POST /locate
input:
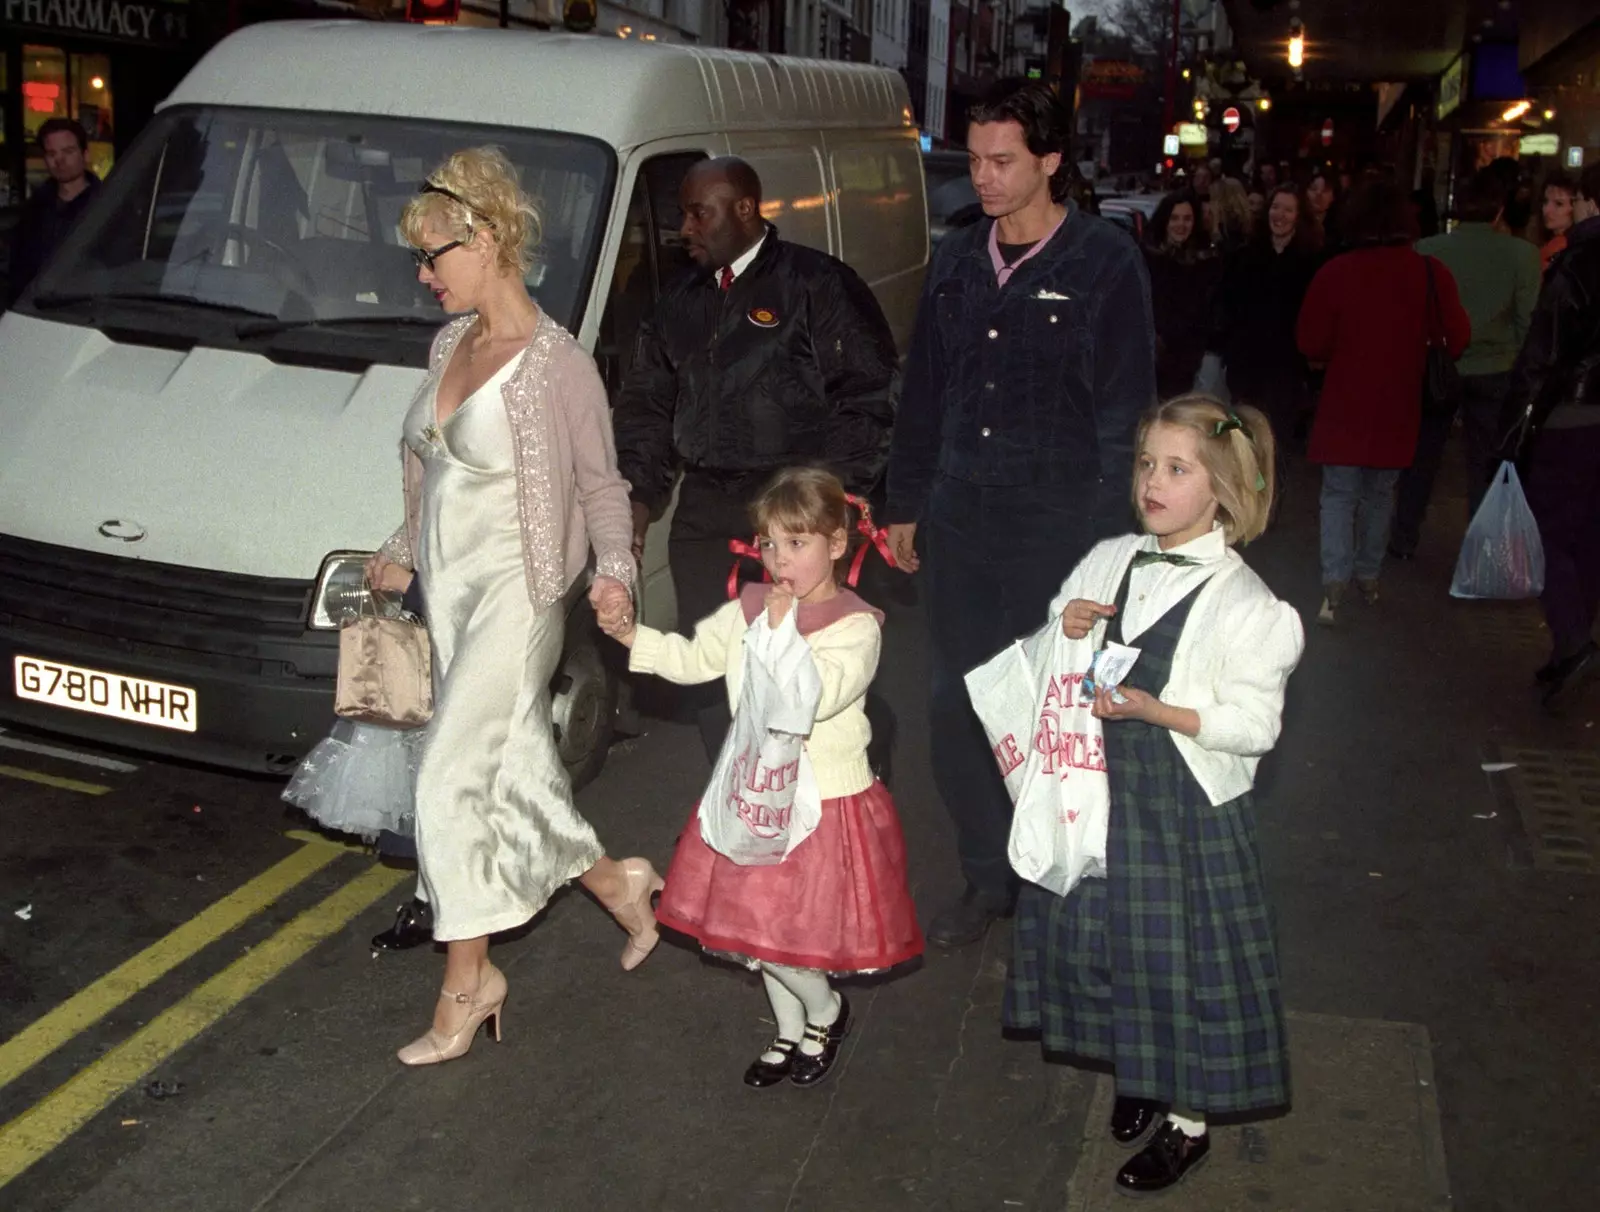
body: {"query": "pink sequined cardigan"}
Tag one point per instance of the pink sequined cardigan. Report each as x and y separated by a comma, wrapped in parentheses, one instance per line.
(569, 494)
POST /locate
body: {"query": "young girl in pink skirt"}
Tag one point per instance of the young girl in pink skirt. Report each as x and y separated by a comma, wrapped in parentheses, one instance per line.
(838, 903)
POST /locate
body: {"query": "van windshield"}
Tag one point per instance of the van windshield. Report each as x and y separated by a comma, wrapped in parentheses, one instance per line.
(277, 231)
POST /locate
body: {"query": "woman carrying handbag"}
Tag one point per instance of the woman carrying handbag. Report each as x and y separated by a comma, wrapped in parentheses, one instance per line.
(510, 480)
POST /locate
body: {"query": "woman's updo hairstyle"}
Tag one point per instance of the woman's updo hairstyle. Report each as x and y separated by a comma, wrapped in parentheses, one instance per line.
(476, 189)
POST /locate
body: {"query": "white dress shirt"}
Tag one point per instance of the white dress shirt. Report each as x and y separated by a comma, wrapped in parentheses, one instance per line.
(747, 258)
(1154, 589)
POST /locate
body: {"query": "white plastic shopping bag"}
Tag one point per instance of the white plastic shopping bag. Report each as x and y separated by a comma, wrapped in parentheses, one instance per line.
(762, 800)
(1051, 750)
(1502, 555)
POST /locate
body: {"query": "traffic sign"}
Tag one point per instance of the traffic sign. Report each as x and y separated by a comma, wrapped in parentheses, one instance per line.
(1170, 146)
(1230, 119)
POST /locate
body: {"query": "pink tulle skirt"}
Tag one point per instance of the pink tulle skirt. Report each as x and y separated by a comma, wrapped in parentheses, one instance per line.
(838, 903)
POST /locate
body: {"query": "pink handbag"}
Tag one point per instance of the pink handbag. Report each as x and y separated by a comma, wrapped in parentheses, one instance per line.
(385, 670)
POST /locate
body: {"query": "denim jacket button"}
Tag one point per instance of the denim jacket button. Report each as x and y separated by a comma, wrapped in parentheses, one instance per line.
(1052, 318)
(986, 431)
(989, 386)
(993, 333)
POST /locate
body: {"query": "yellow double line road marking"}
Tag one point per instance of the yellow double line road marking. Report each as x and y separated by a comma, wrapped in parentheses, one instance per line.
(54, 1118)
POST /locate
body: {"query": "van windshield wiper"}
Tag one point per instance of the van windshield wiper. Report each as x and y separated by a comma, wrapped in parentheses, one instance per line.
(51, 300)
(267, 328)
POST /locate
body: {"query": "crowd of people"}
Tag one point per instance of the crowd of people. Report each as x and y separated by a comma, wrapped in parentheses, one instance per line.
(1321, 302)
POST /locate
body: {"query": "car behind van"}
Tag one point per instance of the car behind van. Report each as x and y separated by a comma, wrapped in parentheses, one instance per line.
(202, 393)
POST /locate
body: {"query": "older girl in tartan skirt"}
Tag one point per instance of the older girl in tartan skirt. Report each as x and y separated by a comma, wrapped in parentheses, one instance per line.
(1166, 969)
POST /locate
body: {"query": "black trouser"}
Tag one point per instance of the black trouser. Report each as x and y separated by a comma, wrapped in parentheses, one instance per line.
(712, 508)
(1564, 494)
(1482, 401)
(993, 558)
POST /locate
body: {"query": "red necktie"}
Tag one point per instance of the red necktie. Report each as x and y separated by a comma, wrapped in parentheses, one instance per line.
(727, 277)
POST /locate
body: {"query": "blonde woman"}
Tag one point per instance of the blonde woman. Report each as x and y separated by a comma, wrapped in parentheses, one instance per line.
(510, 479)
(1230, 217)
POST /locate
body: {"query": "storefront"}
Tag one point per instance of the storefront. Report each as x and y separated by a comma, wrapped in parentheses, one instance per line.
(105, 63)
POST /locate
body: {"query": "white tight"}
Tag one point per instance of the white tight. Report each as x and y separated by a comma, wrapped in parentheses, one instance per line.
(799, 996)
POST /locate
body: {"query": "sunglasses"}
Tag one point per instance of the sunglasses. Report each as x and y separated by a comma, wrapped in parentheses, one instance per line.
(425, 257)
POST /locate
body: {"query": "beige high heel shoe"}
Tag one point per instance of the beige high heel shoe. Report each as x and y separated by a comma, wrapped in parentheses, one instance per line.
(489, 1002)
(636, 914)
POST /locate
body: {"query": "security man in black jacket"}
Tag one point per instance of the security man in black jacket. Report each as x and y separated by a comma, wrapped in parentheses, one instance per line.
(771, 354)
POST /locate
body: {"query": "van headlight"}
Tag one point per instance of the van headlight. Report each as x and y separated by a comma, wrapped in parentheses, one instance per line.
(341, 589)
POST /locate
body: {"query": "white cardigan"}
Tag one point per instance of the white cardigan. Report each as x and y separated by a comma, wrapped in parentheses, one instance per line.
(1231, 665)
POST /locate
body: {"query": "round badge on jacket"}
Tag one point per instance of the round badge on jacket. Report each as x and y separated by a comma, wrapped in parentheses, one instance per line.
(763, 317)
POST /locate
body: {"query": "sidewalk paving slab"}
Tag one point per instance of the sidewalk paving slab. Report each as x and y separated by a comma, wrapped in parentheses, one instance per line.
(1363, 1136)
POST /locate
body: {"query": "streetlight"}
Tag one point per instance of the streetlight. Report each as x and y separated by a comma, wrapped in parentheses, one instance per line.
(1516, 111)
(1297, 49)
(1264, 104)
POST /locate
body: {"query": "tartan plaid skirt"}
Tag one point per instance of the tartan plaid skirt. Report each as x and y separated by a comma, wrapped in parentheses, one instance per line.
(1167, 968)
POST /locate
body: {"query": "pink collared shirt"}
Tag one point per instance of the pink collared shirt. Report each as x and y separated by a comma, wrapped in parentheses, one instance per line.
(1002, 271)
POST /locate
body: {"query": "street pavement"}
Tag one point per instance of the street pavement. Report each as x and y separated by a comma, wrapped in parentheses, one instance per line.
(193, 1018)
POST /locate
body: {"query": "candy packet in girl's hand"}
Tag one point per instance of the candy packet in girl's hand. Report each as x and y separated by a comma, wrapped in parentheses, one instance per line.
(1109, 666)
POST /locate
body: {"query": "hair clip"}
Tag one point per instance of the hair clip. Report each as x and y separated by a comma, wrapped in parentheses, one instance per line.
(1261, 482)
(1230, 423)
(428, 187)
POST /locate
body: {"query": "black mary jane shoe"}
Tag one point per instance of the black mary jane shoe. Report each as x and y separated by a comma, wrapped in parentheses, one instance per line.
(1163, 1163)
(413, 926)
(763, 1073)
(809, 1070)
(1133, 1120)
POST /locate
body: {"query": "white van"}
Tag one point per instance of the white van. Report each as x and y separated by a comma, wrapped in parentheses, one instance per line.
(201, 396)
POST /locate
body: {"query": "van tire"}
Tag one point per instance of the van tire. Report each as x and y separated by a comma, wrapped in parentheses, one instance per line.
(583, 707)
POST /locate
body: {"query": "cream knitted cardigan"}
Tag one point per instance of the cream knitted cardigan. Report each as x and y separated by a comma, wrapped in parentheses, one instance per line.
(1231, 666)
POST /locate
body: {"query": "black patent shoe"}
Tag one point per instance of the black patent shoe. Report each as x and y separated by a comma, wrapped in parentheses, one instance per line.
(763, 1073)
(413, 926)
(967, 920)
(1164, 1162)
(1133, 1119)
(809, 1070)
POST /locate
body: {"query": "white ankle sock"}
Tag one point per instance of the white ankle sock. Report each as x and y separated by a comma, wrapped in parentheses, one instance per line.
(812, 990)
(787, 1009)
(1192, 1125)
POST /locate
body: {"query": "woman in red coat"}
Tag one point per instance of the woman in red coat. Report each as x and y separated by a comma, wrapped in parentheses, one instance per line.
(1366, 318)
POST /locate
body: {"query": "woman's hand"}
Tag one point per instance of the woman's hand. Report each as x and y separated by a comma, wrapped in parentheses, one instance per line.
(1078, 619)
(385, 576)
(779, 600)
(613, 608)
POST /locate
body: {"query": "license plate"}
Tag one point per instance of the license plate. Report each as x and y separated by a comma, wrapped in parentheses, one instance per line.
(100, 692)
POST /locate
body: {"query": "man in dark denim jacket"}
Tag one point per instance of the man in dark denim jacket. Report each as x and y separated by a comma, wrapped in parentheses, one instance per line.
(1032, 361)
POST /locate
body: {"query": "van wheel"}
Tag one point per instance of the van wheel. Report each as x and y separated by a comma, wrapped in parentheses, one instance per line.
(583, 706)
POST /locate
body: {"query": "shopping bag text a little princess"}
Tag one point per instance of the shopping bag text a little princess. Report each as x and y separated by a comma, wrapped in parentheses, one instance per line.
(764, 820)
(1062, 751)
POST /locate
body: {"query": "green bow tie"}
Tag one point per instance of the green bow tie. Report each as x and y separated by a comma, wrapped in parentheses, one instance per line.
(1141, 558)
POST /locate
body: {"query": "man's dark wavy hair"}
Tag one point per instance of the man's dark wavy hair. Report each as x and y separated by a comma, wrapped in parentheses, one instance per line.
(1044, 121)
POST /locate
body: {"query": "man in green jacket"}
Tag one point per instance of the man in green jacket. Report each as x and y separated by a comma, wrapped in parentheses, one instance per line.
(1498, 277)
